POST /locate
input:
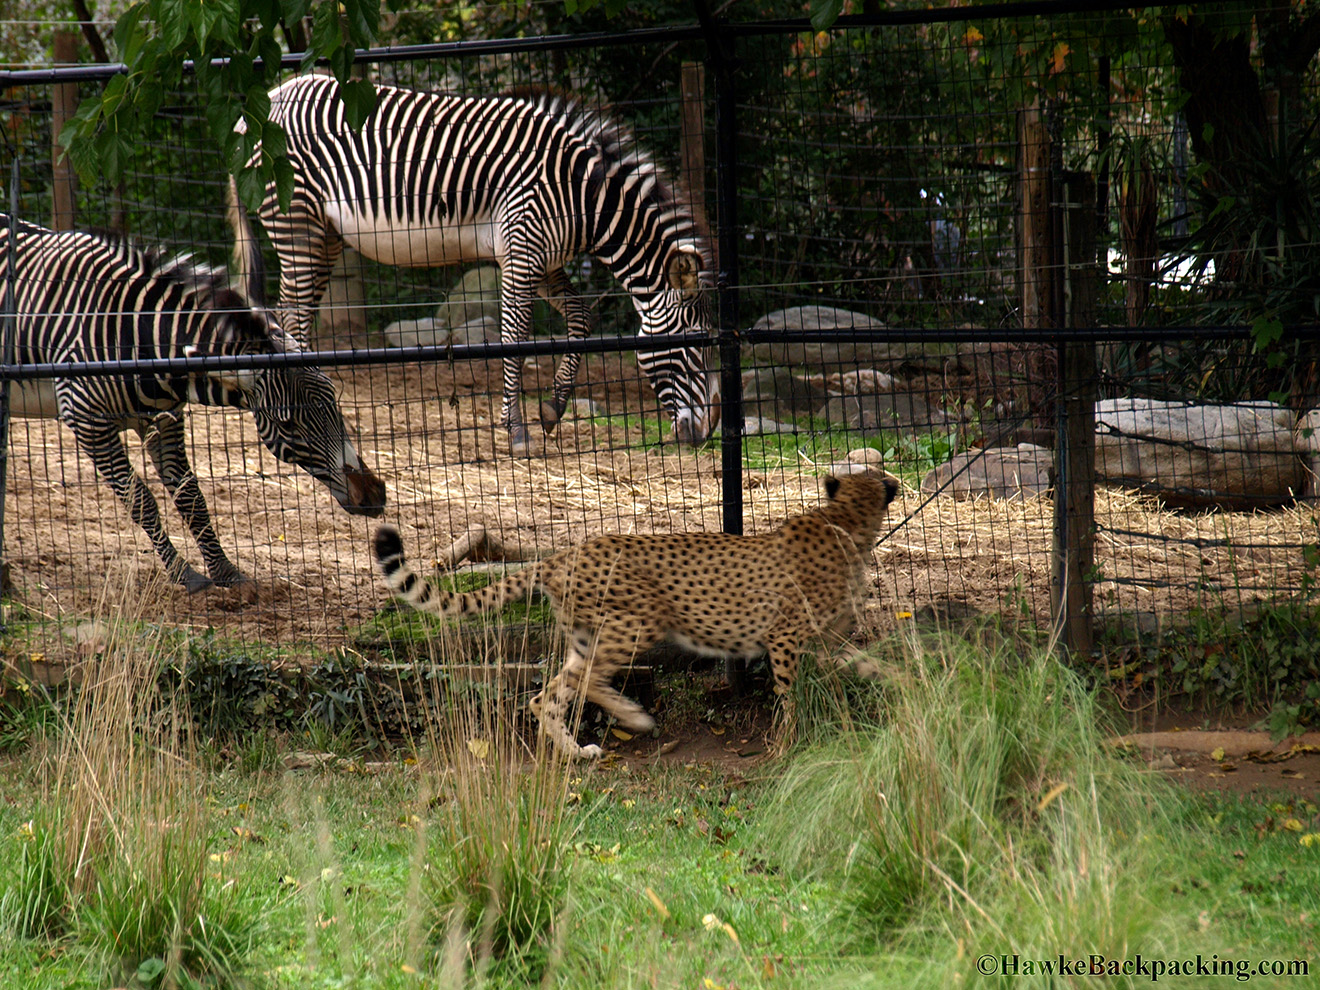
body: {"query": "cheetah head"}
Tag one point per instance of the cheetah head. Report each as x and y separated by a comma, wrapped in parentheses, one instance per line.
(867, 493)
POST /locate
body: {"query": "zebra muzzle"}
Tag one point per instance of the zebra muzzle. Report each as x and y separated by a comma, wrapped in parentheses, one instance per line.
(366, 493)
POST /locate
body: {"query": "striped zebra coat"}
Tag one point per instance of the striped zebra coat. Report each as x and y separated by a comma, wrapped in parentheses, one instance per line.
(98, 297)
(529, 181)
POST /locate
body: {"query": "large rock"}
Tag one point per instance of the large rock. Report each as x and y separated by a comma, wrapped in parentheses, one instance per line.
(476, 296)
(1229, 456)
(470, 315)
(834, 356)
(886, 411)
(426, 332)
(342, 319)
(1307, 439)
(777, 393)
(1019, 472)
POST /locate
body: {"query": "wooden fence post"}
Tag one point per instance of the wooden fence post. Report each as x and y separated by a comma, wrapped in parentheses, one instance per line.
(1035, 251)
(1059, 282)
(692, 140)
(64, 104)
(1073, 559)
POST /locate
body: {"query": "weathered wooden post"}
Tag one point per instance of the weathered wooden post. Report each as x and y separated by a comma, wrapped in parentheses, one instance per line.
(1035, 254)
(1058, 281)
(63, 105)
(692, 140)
(1074, 449)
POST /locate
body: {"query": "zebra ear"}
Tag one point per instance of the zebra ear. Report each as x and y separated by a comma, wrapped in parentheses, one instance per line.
(684, 273)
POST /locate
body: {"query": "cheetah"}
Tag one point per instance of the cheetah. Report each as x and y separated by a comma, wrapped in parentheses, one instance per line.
(715, 594)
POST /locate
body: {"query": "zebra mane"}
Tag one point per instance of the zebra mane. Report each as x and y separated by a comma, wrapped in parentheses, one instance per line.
(203, 280)
(618, 147)
(206, 286)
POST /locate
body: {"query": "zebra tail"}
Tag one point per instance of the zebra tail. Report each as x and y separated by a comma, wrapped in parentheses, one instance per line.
(408, 586)
(248, 262)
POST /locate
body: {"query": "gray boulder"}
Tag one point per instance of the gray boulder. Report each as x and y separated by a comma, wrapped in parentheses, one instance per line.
(903, 411)
(426, 332)
(776, 392)
(1019, 472)
(475, 297)
(831, 356)
(1226, 456)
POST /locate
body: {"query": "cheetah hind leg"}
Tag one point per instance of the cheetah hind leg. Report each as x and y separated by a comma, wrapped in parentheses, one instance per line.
(587, 670)
(553, 705)
(628, 634)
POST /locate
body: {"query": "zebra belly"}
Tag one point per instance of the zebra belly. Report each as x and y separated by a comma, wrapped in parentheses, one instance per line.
(417, 246)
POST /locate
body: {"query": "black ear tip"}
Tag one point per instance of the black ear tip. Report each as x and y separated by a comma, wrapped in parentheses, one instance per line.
(891, 486)
(831, 486)
(388, 543)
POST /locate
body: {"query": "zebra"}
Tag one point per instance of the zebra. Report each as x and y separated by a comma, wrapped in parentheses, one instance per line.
(530, 180)
(93, 296)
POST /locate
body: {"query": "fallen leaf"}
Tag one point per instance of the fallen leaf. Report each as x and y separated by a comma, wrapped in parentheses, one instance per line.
(620, 734)
(1217, 754)
(480, 748)
(1053, 794)
(659, 904)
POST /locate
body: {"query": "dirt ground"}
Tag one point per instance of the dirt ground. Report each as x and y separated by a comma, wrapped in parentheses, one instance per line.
(431, 434)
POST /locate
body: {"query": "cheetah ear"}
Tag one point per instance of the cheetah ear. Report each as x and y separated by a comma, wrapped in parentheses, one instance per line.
(684, 273)
(831, 486)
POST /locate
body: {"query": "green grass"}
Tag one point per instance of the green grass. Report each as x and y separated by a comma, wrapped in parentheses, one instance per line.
(964, 807)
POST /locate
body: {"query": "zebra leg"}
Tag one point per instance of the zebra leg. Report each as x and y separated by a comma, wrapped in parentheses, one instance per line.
(516, 308)
(560, 293)
(165, 445)
(102, 444)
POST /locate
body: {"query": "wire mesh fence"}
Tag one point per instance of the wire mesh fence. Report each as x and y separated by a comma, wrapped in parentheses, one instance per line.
(940, 241)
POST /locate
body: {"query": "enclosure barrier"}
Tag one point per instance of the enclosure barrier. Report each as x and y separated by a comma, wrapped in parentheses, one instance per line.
(927, 284)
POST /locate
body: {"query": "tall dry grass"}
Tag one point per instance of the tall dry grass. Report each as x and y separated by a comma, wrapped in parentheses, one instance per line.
(118, 858)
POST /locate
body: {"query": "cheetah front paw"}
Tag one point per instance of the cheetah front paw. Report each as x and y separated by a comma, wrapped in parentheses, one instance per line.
(590, 752)
(641, 723)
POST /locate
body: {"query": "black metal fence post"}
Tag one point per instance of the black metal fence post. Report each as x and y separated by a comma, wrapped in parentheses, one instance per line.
(8, 332)
(723, 64)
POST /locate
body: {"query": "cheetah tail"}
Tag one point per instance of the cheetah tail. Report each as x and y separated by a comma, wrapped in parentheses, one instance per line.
(408, 586)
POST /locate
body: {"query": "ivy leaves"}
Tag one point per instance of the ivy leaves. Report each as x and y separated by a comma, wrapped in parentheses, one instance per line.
(236, 59)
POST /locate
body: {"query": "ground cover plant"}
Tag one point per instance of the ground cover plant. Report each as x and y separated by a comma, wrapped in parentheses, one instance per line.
(963, 809)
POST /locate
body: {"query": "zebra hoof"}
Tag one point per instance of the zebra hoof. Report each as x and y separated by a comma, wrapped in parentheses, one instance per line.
(551, 414)
(520, 441)
(192, 581)
(242, 585)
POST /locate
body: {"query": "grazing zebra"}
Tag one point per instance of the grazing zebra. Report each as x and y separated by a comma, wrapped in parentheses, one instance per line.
(96, 297)
(530, 181)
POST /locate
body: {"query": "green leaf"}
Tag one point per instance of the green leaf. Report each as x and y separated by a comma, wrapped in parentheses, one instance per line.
(150, 971)
(359, 98)
(293, 10)
(172, 17)
(326, 34)
(128, 31)
(271, 55)
(341, 63)
(363, 16)
(824, 13)
(284, 176)
(274, 141)
(251, 184)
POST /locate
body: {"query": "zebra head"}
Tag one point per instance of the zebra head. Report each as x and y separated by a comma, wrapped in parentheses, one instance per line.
(679, 375)
(298, 419)
(296, 409)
